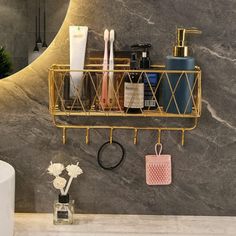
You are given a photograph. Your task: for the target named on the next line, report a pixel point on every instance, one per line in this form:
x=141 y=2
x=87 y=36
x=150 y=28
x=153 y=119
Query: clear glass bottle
x=63 y=210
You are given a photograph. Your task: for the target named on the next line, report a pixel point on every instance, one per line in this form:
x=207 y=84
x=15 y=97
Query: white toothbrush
x=105 y=67
x=111 y=95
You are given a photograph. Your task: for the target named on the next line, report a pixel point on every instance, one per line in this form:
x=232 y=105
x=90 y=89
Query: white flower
x=55 y=169
x=74 y=170
x=59 y=182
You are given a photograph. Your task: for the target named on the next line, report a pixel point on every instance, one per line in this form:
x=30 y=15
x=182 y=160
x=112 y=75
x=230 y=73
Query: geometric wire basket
x=86 y=101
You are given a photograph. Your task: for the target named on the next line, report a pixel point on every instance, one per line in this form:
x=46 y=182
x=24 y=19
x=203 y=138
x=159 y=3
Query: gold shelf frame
x=55 y=96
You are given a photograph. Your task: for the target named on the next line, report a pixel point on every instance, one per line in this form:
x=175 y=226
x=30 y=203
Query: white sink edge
x=11 y=171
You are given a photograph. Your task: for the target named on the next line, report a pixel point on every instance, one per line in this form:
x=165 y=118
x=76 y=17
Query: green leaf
x=5 y=63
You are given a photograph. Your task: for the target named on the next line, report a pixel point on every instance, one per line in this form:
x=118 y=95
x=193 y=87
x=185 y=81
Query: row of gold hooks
x=112 y=128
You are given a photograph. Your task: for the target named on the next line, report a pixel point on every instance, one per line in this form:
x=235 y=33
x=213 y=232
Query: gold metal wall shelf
x=90 y=105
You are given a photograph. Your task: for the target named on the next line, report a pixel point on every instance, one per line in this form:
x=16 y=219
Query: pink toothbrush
x=111 y=95
x=104 y=98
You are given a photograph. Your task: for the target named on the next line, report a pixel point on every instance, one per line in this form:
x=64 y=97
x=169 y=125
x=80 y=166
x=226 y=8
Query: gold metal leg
x=64 y=135
x=183 y=136
x=159 y=136
x=135 y=136
x=87 y=136
x=111 y=135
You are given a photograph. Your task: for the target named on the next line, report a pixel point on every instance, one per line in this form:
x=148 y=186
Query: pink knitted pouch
x=158 y=168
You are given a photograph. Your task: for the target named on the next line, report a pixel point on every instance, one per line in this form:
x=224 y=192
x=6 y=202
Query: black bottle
x=150 y=80
x=134 y=88
x=145 y=59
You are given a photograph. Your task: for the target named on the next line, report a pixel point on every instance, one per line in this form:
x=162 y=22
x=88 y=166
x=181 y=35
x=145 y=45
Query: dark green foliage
x=5 y=63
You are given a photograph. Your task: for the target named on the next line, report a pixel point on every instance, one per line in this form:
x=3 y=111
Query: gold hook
x=135 y=136
x=159 y=137
x=183 y=135
x=87 y=135
x=64 y=135
x=111 y=135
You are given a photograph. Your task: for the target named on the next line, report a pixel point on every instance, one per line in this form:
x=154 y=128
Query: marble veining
x=218 y=55
x=132 y=12
x=204 y=177
x=216 y=117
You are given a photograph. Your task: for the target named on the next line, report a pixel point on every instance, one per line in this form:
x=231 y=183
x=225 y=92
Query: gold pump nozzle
x=181 y=50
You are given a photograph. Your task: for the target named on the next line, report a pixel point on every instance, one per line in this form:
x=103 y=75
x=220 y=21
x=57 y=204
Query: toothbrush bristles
x=106 y=35
x=112 y=35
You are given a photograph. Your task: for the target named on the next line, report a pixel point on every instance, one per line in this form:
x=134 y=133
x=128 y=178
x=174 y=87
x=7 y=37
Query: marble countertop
x=88 y=225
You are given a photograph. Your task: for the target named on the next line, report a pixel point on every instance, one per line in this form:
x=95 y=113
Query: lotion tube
x=78 y=42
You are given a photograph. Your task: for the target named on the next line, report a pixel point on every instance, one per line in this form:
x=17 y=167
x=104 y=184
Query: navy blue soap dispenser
x=181 y=102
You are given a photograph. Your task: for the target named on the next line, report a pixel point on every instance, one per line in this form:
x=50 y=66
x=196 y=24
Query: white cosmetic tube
x=78 y=42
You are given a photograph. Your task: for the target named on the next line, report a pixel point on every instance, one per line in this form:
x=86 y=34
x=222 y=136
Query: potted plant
x=5 y=63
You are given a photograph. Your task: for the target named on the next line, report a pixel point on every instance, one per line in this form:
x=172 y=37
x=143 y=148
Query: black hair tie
x=117 y=164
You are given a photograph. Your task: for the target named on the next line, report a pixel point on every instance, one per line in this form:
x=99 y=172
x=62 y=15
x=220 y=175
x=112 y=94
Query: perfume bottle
x=63 y=210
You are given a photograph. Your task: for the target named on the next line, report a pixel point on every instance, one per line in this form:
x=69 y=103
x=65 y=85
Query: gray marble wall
x=18 y=26
x=14 y=27
x=204 y=176
x=55 y=14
